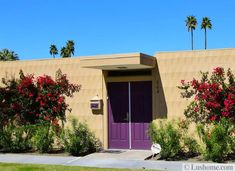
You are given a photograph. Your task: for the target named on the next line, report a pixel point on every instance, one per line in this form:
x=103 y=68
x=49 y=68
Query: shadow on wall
x=160 y=101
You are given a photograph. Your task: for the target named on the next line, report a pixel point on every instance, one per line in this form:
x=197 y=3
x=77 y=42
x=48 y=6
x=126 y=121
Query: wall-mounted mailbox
x=96 y=103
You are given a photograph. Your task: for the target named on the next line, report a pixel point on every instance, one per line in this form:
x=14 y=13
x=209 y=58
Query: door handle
x=127 y=117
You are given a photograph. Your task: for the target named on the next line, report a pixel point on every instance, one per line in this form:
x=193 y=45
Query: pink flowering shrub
x=213 y=96
x=213 y=110
x=31 y=100
x=31 y=110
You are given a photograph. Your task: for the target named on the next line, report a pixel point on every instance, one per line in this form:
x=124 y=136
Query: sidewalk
x=93 y=162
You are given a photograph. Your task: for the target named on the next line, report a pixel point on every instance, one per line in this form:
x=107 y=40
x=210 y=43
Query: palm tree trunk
x=205 y=39
x=192 y=37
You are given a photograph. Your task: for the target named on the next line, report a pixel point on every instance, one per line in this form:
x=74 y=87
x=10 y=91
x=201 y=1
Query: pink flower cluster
x=42 y=98
x=213 y=95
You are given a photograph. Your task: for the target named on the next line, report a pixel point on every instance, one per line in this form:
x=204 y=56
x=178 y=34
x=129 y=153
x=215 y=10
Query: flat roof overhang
x=119 y=61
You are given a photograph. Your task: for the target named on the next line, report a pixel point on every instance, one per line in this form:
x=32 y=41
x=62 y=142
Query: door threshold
x=113 y=151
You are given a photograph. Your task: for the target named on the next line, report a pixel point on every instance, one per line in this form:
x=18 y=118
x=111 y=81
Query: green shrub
x=16 y=138
x=44 y=137
x=79 y=140
x=190 y=146
x=166 y=134
x=188 y=143
x=218 y=140
x=5 y=138
x=174 y=139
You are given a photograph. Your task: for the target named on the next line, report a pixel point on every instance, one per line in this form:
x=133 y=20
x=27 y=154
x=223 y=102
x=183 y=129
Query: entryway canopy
x=119 y=61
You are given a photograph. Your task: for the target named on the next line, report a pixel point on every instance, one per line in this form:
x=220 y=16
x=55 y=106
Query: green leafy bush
x=43 y=138
x=188 y=143
x=218 y=140
x=191 y=146
x=80 y=140
x=174 y=139
x=166 y=134
x=15 y=138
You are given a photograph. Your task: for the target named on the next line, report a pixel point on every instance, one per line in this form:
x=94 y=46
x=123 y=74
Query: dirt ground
x=193 y=159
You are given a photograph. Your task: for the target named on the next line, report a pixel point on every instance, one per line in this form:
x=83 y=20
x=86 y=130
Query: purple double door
x=130 y=112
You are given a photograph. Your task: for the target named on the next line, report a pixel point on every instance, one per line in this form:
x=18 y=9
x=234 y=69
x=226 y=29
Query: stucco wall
x=90 y=79
x=167 y=103
x=185 y=65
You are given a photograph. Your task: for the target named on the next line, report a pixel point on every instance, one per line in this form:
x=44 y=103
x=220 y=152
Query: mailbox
x=96 y=103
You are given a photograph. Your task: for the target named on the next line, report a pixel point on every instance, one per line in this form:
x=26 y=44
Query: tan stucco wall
x=185 y=65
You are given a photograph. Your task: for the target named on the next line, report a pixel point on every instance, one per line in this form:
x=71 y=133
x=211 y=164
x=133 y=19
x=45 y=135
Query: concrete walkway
x=121 y=154
x=92 y=161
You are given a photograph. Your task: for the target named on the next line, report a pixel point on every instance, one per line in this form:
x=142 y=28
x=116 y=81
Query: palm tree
x=68 y=50
x=53 y=50
x=206 y=24
x=191 y=23
x=70 y=47
x=7 y=55
x=64 y=52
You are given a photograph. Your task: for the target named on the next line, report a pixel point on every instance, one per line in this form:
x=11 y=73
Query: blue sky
x=29 y=27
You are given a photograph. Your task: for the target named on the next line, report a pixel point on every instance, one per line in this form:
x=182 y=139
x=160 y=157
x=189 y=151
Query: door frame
x=106 y=79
